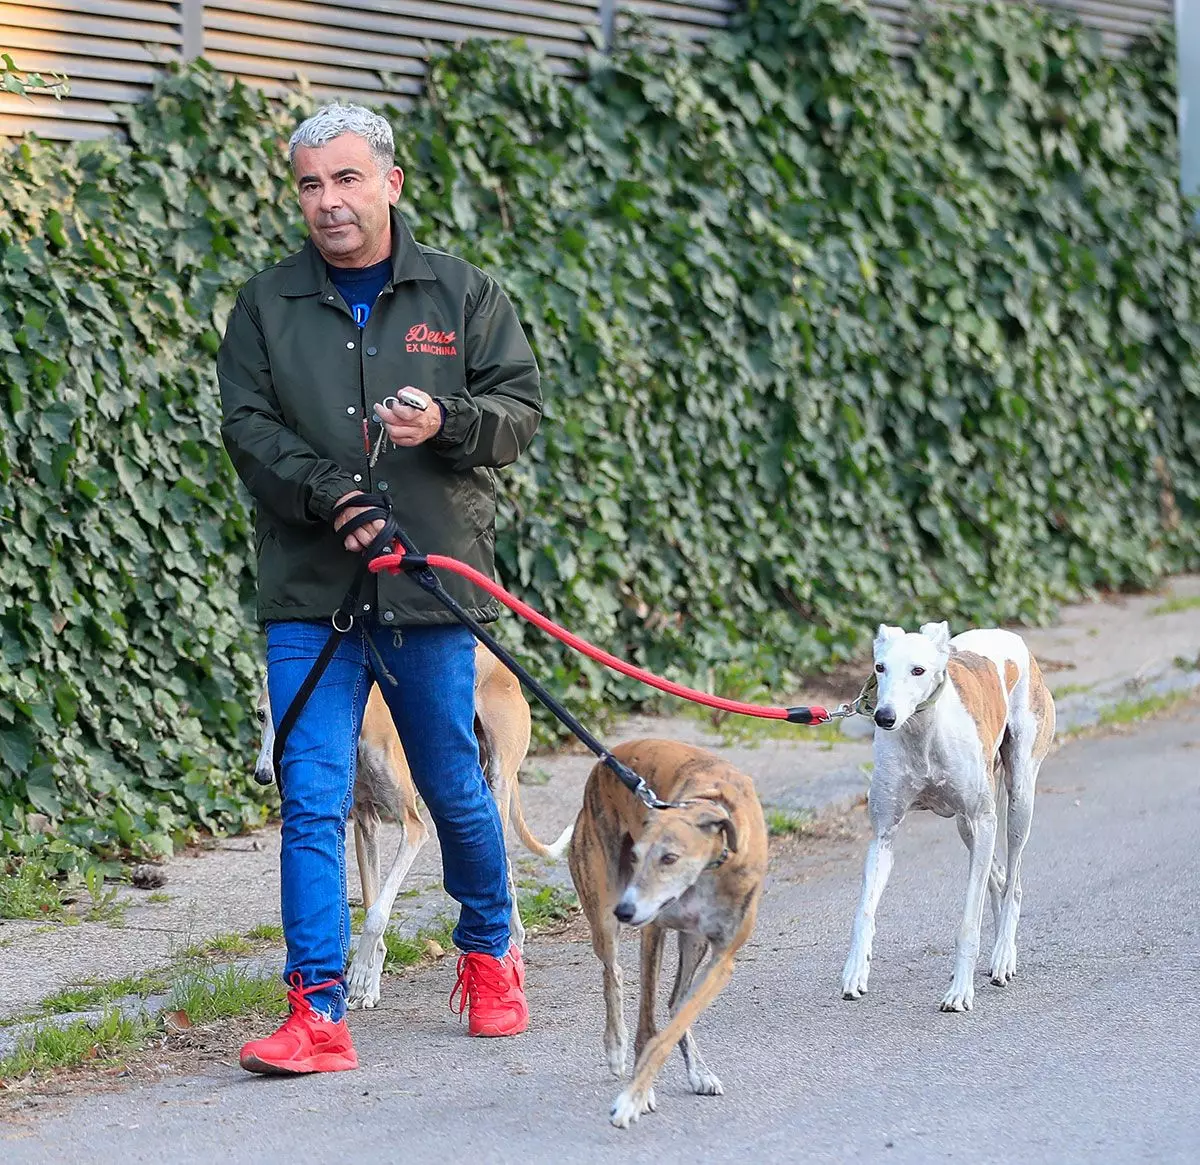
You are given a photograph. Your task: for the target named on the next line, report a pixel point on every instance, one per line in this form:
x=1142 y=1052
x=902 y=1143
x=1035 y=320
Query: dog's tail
x=556 y=849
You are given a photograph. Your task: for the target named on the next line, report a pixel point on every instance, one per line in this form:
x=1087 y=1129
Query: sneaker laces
x=298 y=994
x=475 y=971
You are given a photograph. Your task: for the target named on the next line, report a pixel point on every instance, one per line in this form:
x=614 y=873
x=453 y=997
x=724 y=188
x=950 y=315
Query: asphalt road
x=1090 y=1056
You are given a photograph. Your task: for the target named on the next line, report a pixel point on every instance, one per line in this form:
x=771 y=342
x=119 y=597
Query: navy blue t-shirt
x=360 y=286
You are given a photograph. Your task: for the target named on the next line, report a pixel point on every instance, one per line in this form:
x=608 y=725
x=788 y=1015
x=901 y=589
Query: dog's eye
x=669 y=859
x=880 y=668
x=918 y=671
x=262 y=716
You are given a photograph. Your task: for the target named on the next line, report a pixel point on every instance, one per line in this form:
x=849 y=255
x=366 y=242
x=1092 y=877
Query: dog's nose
x=624 y=911
x=885 y=717
x=264 y=776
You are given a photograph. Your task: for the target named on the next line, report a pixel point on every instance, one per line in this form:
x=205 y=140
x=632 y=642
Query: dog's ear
x=886 y=633
x=718 y=819
x=939 y=633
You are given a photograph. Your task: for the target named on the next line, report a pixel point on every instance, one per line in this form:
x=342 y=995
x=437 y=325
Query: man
x=312 y=348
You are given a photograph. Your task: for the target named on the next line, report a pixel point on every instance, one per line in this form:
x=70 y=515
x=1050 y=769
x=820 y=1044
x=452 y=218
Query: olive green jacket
x=298 y=381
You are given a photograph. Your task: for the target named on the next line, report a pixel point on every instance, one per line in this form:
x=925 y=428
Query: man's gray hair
x=331 y=121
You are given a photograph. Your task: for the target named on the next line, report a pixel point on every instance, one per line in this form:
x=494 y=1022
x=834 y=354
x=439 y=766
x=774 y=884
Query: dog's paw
x=705 y=1083
x=1004 y=963
x=363 y=978
x=365 y=997
x=854 y=979
x=960 y=997
x=616 y=1060
x=629 y=1106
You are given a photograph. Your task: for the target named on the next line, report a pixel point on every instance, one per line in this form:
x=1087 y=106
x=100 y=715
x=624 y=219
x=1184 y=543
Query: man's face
x=344 y=197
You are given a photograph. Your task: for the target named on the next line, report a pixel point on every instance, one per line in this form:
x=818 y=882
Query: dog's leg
x=633 y=1101
x=875 y=875
x=981 y=846
x=1020 y=818
x=516 y=928
x=692 y=949
x=995 y=874
x=654 y=939
x=366 y=849
x=606 y=944
x=596 y=874
x=366 y=969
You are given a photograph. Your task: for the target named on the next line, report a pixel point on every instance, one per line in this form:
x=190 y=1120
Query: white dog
x=962 y=724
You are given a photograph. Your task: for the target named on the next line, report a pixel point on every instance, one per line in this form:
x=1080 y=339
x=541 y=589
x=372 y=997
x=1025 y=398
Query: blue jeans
x=433 y=706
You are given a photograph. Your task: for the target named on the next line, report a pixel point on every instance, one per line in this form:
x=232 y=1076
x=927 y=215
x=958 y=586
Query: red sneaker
x=493 y=990
x=305 y=1042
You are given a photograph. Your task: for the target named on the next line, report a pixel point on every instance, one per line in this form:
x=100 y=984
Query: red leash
x=394 y=564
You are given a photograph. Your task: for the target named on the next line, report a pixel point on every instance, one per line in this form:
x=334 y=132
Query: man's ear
x=939 y=633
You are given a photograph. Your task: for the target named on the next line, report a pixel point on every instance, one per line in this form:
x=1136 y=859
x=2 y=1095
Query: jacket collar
x=308 y=275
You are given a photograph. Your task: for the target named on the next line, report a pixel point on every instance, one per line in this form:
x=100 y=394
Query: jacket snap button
x=383 y=485
x=357 y=478
x=350 y=410
x=372 y=350
x=349 y=343
x=388 y=616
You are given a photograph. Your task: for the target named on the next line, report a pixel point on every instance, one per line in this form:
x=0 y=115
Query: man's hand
x=407 y=426
x=360 y=539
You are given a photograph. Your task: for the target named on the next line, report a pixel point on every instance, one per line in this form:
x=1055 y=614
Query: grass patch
x=1131 y=711
x=52 y=1047
x=160 y=896
x=547 y=905
x=790 y=822
x=95 y=993
x=28 y=891
x=407 y=952
x=104 y=907
x=226 y=992
x=269 y=932
x=1178 y=603
x=217 y=945
x=1069 y=690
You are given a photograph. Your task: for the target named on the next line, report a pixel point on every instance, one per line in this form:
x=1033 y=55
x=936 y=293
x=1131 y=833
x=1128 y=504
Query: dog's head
x=675 y=847
x=264 y=767
x=909 y=667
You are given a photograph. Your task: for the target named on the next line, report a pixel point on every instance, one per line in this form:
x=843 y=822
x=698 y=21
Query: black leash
x=378 y=508
x=375 y=508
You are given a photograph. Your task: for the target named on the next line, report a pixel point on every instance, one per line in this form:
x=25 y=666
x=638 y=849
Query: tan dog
x=697 y=869
x=384 y=787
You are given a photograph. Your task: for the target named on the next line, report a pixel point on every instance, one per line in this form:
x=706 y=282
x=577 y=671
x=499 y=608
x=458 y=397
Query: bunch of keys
x=403 y=397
